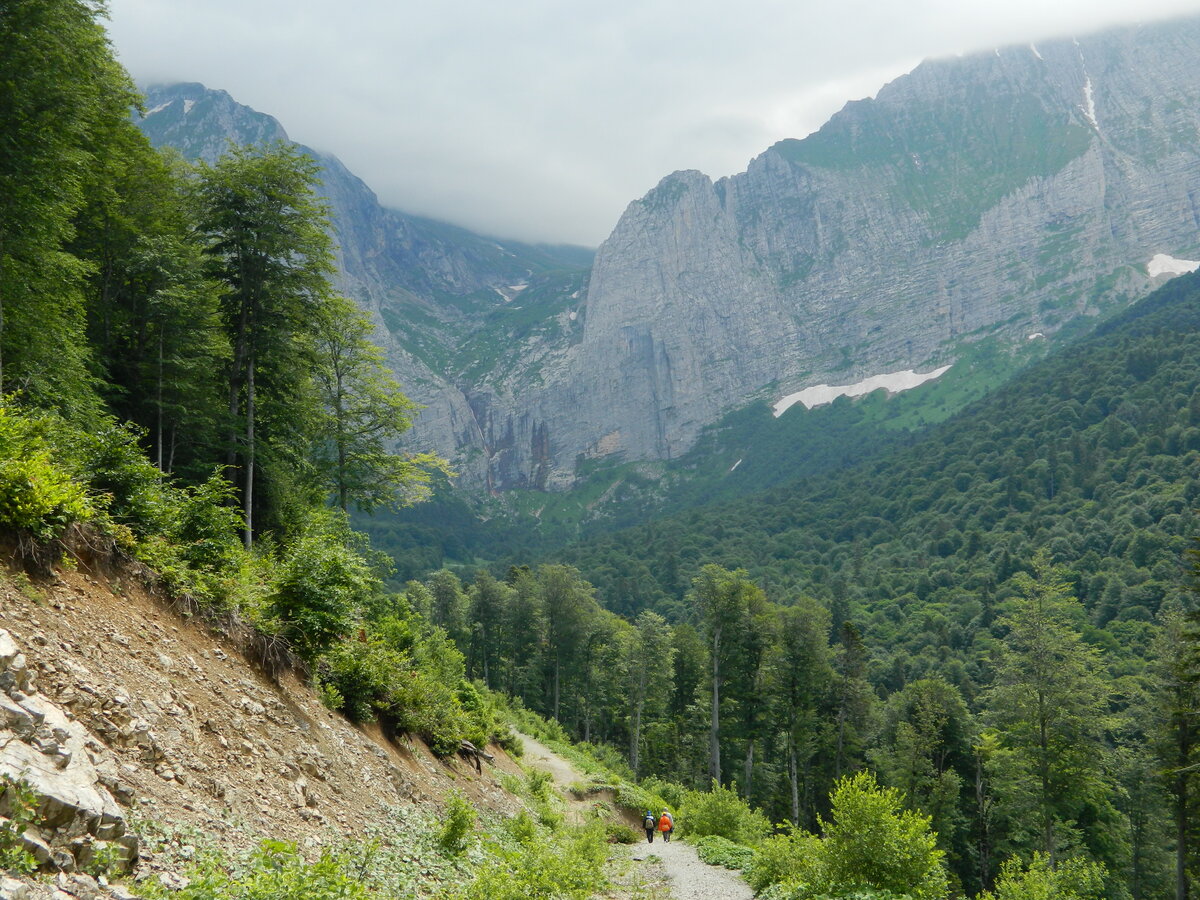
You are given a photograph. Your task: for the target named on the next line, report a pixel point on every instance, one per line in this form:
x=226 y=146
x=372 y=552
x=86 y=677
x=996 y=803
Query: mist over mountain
x=1000 y=195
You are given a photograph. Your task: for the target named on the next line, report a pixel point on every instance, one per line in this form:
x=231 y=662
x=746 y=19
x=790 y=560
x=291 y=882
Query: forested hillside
x=992 y=620
x=902 y=615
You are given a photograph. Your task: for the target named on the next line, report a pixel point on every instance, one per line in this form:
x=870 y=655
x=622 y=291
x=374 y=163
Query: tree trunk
x=635 y=736
x=248 y=499
x=557 y=668
x=1182 y=822
x=794 y=778
x=983 y=811
x=158 y=438
x=749 y=767
x=714 y=732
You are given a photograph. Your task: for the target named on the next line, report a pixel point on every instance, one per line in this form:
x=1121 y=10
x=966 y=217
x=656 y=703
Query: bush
x=117 y=470
x=718 y=851
x=18 y=806
x=278 y=872
x=873 y=842
x=37 y=496
x=322 y=583
x=783 y=859
x=721 y=811
x=1072 y=879
x=356 y=677
x=619 y=833
x=872 y=848
x=458 y=822
x=569 y=868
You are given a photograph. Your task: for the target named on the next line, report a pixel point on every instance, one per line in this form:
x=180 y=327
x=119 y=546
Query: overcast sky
x=543 y=119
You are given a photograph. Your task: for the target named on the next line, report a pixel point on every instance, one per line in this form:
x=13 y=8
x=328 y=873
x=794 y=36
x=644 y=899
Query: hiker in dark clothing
x=649 y=824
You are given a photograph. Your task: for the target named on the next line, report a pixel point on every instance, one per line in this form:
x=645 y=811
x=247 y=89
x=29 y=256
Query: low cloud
x=536 y=120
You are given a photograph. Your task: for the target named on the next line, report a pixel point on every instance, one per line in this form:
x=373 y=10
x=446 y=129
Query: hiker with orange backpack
x=666 y=825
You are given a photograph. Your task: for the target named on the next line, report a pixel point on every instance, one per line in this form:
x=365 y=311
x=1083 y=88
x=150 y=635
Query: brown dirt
x=202 y=740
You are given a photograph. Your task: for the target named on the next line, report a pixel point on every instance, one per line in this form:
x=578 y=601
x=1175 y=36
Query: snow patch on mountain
x=1162 y=264
x=893 y=383
x=1089 y=100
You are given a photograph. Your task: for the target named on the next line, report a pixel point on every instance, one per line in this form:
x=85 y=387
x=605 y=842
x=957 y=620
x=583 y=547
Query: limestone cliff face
x=1005 y=193
x=428 y=285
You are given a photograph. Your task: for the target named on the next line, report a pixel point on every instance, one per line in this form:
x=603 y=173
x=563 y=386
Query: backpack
x=649 y=823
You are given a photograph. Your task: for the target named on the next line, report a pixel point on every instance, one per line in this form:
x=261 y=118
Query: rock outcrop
x=52 y=762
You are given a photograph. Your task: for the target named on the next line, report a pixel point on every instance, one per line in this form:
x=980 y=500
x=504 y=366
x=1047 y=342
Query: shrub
x=873 y=842
x=458 y=822
x=18 y=804
x=322 y=582
x=356 y=677
x=783 y=859
x=718 y=851
x=278 y=872
x=37 y=496
x=721 y=811
x=118 y=471
x=872 y=848
x=1072 y=879
x=619 y=833
x=569 y=868
x=207 y=527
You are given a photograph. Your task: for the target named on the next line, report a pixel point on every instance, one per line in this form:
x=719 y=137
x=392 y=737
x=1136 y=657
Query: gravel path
x=690 y=878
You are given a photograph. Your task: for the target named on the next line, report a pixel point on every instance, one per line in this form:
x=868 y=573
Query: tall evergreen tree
x=1050 y=703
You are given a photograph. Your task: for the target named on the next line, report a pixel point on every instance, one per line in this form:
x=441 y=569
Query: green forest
x=963 y=663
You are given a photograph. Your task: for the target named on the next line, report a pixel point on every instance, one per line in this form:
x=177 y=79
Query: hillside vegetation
x=994 y=620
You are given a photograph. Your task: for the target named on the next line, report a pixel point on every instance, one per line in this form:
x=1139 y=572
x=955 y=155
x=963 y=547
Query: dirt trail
x=690 y=879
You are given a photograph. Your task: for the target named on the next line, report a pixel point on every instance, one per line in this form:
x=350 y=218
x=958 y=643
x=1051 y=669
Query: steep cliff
x=1002 y=194
x=445 y=300
x=1005 y=193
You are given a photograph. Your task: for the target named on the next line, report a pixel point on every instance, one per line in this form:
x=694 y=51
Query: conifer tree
x=1050 y=704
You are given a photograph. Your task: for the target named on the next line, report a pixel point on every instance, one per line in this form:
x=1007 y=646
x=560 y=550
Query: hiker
x=666 y=825
x=649 y=824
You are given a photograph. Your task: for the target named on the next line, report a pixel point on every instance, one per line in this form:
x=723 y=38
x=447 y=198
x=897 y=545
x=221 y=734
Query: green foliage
x=278 y=872
x=130 y=486
x=1071 y=879
x=619 y=833
x=38 y=496
x=720 y=811
x=718 y=851
x=872 y=842
x=458 y=823
x=356 y=676
x=18 y=806
x=783 y=859
x=322 y=583
x=568 y=867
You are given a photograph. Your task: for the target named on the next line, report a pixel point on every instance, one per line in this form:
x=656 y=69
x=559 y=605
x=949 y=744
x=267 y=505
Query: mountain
x=437 y=292
x=1091 y=455
x=1003 y=196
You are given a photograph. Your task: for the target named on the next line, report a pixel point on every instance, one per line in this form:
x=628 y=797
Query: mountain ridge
x=1001 y=195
